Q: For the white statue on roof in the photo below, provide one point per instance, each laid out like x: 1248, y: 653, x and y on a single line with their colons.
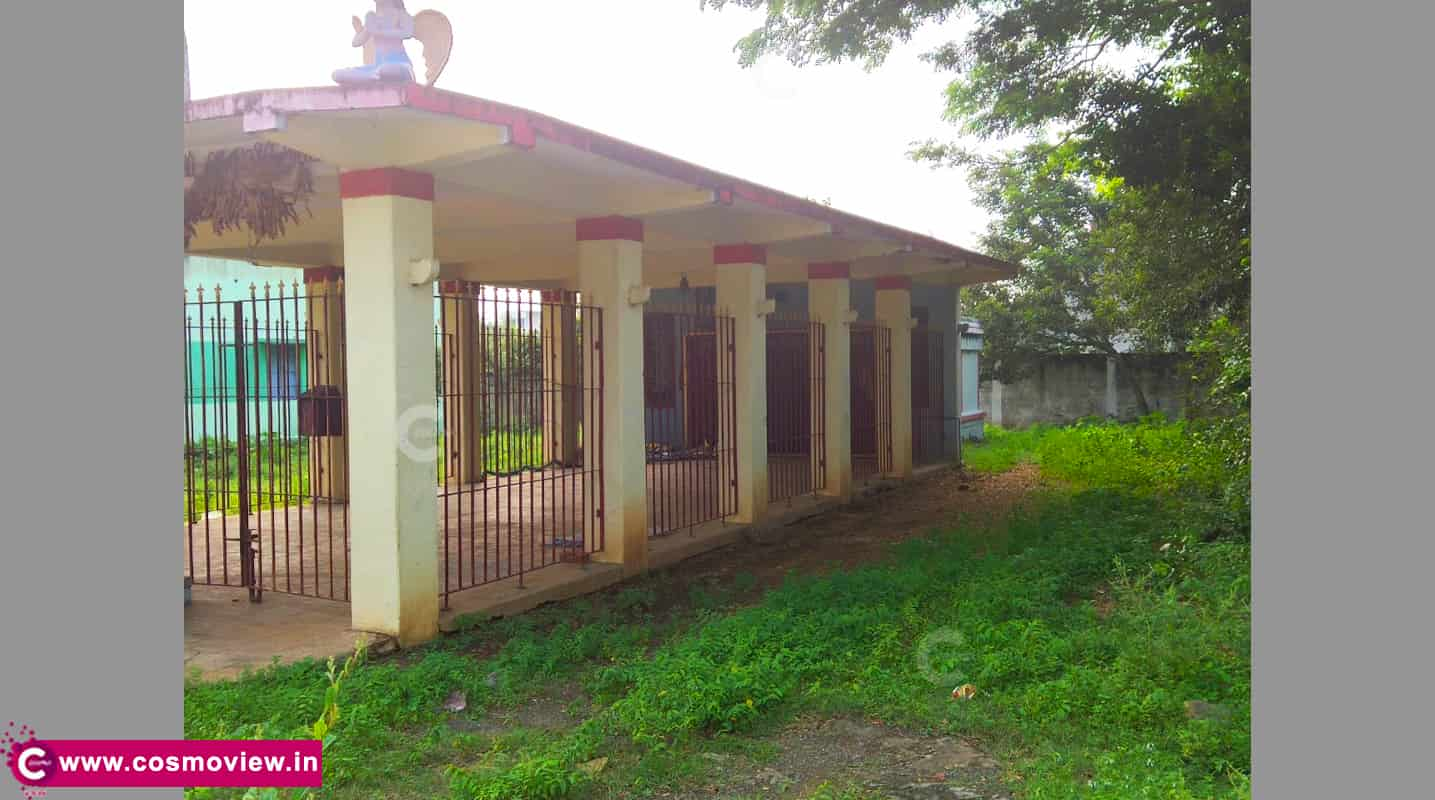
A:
x: 382, y: 33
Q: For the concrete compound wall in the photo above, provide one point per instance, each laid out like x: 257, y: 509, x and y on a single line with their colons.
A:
x: 1064, y: 389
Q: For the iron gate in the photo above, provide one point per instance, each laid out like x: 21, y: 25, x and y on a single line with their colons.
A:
x: 519, y: 373
x: 930, y: 421
x: 265, y: 467
x: 689, y: 416
x: 796, y: 406
x: 871, y: 416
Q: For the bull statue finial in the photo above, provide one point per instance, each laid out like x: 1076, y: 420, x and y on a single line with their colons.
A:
x: 382, y: 33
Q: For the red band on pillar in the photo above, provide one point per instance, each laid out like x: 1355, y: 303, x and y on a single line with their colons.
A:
x: 603, y: 229
x: 829, y: 269
x: 386, y: 182
x: 322, y: 274
x: 903, y: 282
x: 740, y: 254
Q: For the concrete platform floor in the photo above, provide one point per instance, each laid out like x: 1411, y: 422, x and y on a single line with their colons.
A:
x: 489, y: 532
x: 225, y: 634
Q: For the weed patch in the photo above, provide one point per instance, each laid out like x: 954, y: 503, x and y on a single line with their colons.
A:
x: 1088, y: 623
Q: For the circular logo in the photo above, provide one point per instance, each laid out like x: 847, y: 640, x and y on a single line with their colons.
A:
x: 418, y: 452
x: 33, y: 763
x: 940, y: 639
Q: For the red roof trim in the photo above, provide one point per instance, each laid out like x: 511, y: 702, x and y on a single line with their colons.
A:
x: 829, y: 269
x: 605, y: 229
x: 894, y: 282
x: 386, y: 182
x: 739, y: 254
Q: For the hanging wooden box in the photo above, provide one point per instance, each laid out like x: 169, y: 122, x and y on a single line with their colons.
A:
x: 321, y: 412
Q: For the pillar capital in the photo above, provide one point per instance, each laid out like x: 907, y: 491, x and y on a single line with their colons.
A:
x: 894, y: 283
x: 452, y: 287
x: 607, y: 229
x: 557, y: 296
x: 322, y: 274
x: 829, y: 270
x: 741, y: 253
x: 386, y: 182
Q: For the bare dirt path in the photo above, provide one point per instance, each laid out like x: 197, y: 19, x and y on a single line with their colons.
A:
x: 880, y: 760
x: 859, y: 533
x: 856, y: 754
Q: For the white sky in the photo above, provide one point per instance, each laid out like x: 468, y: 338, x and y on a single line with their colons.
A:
x: 658, y: 73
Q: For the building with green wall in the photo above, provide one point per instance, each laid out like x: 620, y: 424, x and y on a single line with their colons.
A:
x: 275, y: 350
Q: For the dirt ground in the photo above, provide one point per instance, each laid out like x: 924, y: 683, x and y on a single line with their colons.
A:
x: 889, y: 762
x: 858, y: 533
x: 886, y: 761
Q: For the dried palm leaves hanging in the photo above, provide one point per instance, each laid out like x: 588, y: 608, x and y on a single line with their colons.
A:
x: 261, y: 188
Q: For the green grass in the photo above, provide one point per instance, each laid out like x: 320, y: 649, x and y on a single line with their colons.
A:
x: 1205, y: 464
x: 506, y: 452
x: 1086, y: 621
x: 1150, y: 456
x: 279, y: 469
x: 278, y: 474
x: 1002, y: 448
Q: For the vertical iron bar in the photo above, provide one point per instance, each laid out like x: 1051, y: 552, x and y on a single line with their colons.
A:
x: 257, y: 478
x: 246, y: 567
x: 444, y: 429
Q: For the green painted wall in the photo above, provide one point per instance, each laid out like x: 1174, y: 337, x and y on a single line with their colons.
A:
x: 275, y: 354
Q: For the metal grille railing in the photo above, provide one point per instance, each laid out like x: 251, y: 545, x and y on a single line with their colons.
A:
x: 871, y: 400
x: 690, y: 417
x: 265, y: 462
x: 519, y: 372
x: 796, y: 406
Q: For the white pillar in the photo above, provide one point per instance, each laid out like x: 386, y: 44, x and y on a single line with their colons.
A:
x: 324, y: 307
x: 458, y: 329
x: 393, y: 518
x: 829, y: 300
x: 742, y: 291
x: 610, y: 276
x: 894, y: 310
x: 561, y: 396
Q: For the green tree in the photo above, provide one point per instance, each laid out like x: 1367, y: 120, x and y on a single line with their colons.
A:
x: 1131, y: 208
x: 1053, y: 221
x: 1178, y: 116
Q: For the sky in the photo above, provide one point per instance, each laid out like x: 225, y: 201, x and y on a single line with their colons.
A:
x: 658, y: 73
